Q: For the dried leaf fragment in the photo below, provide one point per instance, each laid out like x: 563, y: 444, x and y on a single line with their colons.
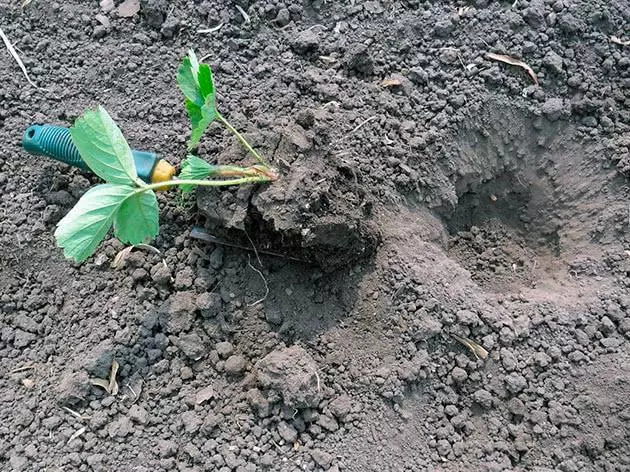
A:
x: 513, y: 62
x: 104, y: 384
x: 28, y: 383
x: 110, y: 385
x: 391, y: 82
x: 129, y: 8
x: 17, y: 58
x: 214, y: 29
x: 120, y: 258
x: 478, y: 351
x: 620, y: 42
x: 107, y: 5
x: 123, y: 254
x: 113, y: 384
x: 27, y: 366
x: 205, y: 394
x: 103, y: 20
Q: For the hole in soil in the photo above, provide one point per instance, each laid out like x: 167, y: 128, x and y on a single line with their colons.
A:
x: 529, y: 191
x: 515, y: 201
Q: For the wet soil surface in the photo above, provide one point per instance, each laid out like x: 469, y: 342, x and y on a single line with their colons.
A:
x: 426, y: 190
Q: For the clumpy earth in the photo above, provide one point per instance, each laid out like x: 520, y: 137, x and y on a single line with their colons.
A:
x: 426, y: 190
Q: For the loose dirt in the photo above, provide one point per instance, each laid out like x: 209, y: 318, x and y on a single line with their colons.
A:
x: 425, y: 190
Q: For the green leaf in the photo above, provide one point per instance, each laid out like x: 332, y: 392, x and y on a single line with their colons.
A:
x: 84, y: 227
x: 194, y: 168
x: 196, y: 83
x: 206, y: 84
x: 194, y: 63
x: 188, y: 82
x: 103, y: 147
x: 136, y: 221
x: 200, y: 119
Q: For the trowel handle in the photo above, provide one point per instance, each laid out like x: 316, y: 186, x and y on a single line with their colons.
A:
x: 56, y: 143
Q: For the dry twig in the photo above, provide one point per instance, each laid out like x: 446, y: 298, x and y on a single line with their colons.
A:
x: 77, y: 414
x: 244, y: 14
x: 208, y: 31
x: 30, y: 365
x: 76, y: 434
x: 358, y: 127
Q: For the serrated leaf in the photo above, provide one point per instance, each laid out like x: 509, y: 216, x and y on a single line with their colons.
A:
x: 206, y: 84
x: 194, y: 63
x: 196, y: 83
x: 200, y: 119
x: 80, y: 232
x: 194, y: 168
x: 188, y: 83
x: 137, y: 219
x: 103, y: 147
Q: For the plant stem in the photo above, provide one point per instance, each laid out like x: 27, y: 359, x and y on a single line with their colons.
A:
x: 205, y: 183
x: 243, y: 141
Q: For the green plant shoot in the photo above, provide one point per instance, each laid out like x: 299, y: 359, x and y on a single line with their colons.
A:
x: 125, y: 202
x: 196, y: 82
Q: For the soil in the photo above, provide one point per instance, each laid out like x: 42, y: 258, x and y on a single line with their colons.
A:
x: 425, y: 191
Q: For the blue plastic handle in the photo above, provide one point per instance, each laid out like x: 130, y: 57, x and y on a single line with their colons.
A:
x: 55, y: 142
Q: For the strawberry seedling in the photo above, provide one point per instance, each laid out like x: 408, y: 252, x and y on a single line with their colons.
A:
x: 127, y: 202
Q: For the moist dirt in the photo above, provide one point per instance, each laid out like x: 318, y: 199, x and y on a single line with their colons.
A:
x: 425, y: 190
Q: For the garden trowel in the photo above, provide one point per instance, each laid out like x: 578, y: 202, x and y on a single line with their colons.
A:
x: 56, y: 143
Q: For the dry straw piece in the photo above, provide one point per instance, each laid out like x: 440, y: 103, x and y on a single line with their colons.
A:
x: 513, y: 62
x: 15, y: 55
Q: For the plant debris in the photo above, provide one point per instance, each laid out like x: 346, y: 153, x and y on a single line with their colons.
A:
x: 205, y: 394
x: 391, y: 82
x: 110, y: 385
x: 214, y: 29
x: 77, y: 414
x: 76, y: 434
x: 134, y: 385
x: 244, y: 14
x: 129, y: 8
x: 15, y: 55
x: 28, y: 383
x: 107, y: 5
x: 120, y: 258
x: 113, y: 384
x: 479, y: 352
x: 27, y: 366
x: 620, y: 42
x: 123, y: 254
x: 514, y: 62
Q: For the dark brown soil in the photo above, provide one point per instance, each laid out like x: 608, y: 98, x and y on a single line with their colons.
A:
x: 460, y: 198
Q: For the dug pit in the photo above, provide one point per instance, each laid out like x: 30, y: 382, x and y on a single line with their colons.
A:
x: 530, y: 192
